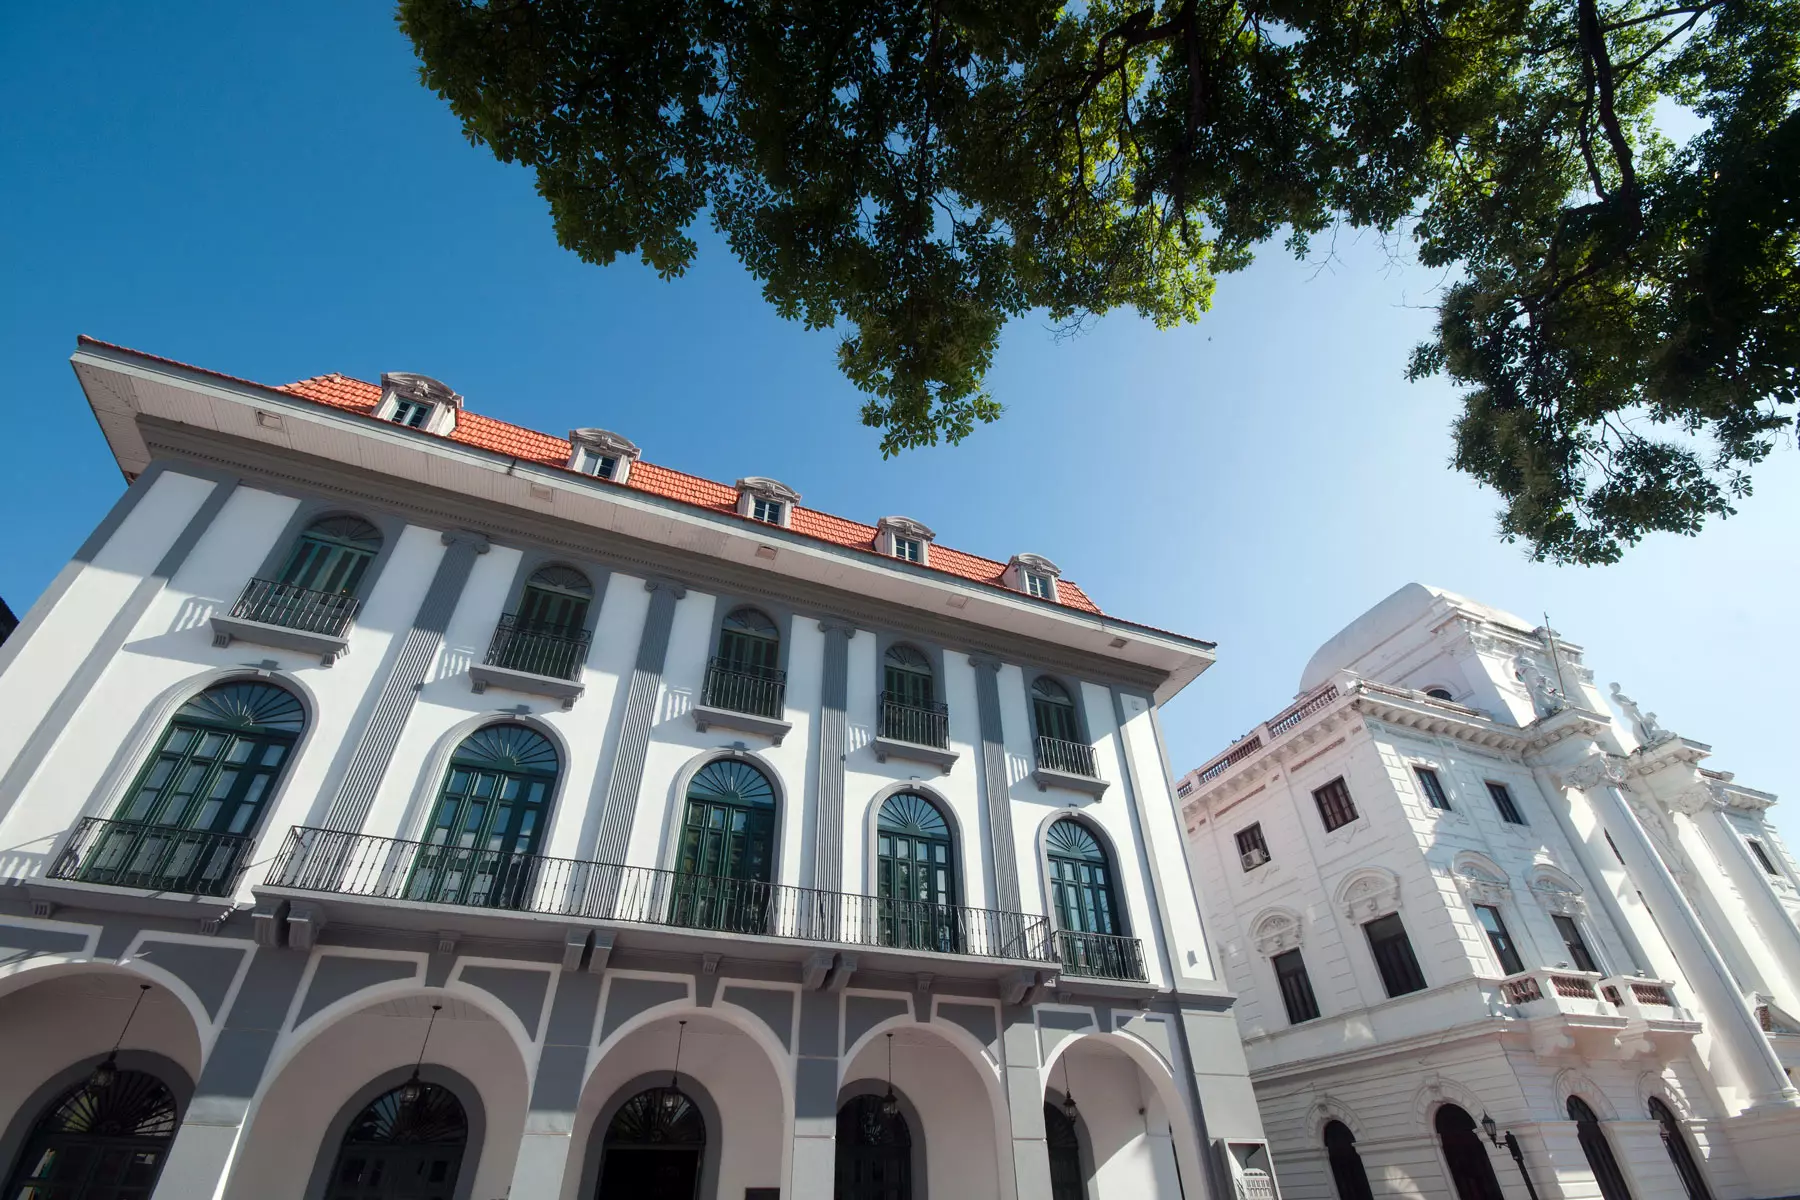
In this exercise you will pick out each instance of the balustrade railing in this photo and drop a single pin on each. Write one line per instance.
(920, 724)
(1100, 955)
(1073, 758)
(293, 607)
(759, 691)
(553, 651)
(162, 858)
(351, 864)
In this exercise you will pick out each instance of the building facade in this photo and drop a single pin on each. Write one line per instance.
(1482, 929)
(399, 802)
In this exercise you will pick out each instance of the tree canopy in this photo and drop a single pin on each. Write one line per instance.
(1622, 311)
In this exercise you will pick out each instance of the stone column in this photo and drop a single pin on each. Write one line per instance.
(1728, 1018)
(814, 1161)
(996, 788)
(547, 1149)
(1778, 930)
(834, 692)
(1025, 1103)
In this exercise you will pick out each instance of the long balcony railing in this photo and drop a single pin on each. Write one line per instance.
(1072, 758)
(739, 687)
(1100, 955)
(921, 724)
(350, 864)
(553, 651)
(293, 607)
(161, 858)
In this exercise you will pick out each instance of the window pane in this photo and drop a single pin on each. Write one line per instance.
(1393, 954)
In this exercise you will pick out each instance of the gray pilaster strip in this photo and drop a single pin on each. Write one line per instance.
(828, 832)
(82, 680)
(996, 792)
(1146, 860)
(634, 729)
(419, 645)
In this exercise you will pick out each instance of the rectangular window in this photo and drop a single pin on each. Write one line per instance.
(908, 549)
(1253, 852)
(1335, 807)
(1762, 856)
(1503, 801)
(768, 511)
(1296, 988)
(1433, 787)
(1499, 939)
(591, 462)
(1579, 958)
(1038, 585)
(1393, 954)
(411, 413)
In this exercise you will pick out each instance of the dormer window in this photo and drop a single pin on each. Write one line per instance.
(411, 413)
(905, 539)
(766, 500)
(910, 549)
(602, 454)
(418, 402)
(1040, 586)
(1034, 575)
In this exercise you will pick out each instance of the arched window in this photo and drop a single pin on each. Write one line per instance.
(1471, 1171)
(874, 1152)
(98, 1143)
(906, 677)
(727, 849)
(332, 555)
(1438, 693)
(1066, 1182)
(1052, 711)
(746, 676)
(654, 1146)
(1086, 908)
(749, 642)
(1675, 1142)
(555, 600)
(1598, 1150)
(402, 1147)
(489, 819)
(189, 819)
(1347, 1169)
(915, 875)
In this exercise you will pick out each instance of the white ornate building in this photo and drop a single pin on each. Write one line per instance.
(1481, 929)
(397, 802)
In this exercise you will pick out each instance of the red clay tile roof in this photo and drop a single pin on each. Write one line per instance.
(473, 429)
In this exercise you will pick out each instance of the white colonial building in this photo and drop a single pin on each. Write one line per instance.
(397, 802)
(1491, 941)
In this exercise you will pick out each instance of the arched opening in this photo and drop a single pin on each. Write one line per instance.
(1680, 1154)
(332, 556)
(915, 875)
(910, 709)
(1126, 1109)
(1064, 1144)
(727, 849)
(1346, 1164)
(653, 1149)
(1438, 693)
(874, 1152)
(548, 634)
(1089, 925)
(1598, 1151)
(489, 818)
(190, 817)
(406, 1145)
(1053, 711)
(746, 675)
(99, 1140)
(555, 600)
(1471, 1171)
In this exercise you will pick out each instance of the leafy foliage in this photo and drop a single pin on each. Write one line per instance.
(1624, 312)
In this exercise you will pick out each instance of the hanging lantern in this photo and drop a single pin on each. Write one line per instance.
(890, 1103)
(1068, 1104)
(107, 1073)
(413, 1090)
(671, 1097)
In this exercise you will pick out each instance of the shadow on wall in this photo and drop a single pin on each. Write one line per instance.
(195, 612)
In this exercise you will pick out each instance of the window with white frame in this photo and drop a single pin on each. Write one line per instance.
(764, 509)
(1038, 585)
(1762, 857)
(414, 414)
(1499, 939)
(590, 461)
(1253, 850)
(1504, 804)
(1432, 787)
(909, 549)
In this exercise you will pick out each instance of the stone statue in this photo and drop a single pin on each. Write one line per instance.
(1643, 724)
(1546, 697)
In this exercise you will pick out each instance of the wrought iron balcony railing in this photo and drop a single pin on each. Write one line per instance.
(162, 858)
(759, 691)
(921, 724)
(1071, 758)
(292, 607)
(553, 651)
(1100, 955)
(350, 864)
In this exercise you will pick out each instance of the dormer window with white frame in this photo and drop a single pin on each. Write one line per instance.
(1034, 575)
(766, 500)
(905, 539)
(602, 454)
(418, 402)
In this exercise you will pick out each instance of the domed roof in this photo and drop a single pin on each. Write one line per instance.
(1393, 616)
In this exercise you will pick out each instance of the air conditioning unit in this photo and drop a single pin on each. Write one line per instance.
(1254, 858)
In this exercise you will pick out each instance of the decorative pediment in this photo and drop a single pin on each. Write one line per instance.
(409, 385)
(605, 441)
(1480, 878)
(1276, 932)
(768, 489)
(1557, 892)
(1369, 893)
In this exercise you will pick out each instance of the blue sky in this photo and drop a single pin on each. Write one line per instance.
(266, 190)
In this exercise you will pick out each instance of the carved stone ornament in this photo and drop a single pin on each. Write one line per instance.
(1558, 897)
(905, 527)
(1037, 564)
(606, 442)
(1643, 724)
(1593, 771)
(410, 386)
(768, 489)
(1369, 895)
(1479, 884)
(1546, 698)
(1695, 800)
(1276, 933)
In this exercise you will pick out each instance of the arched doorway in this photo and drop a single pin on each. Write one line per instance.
(727, 849)
(489, 819)
(653, 1148)
(1680, 1154)
(1598, 1151)
(1086, 908)
(98, 1142)
(1347, 1169)
(1471, 1171)
(406, 1145)
(915, 875)
(874, 1152)
(1064, 1144)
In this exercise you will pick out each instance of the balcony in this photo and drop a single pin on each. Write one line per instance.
(540, 660)
(1067, 765)
(269, 613)
(920, 732)
(332, 863)
(1101, 956)
(743, 697)
(156, 858)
